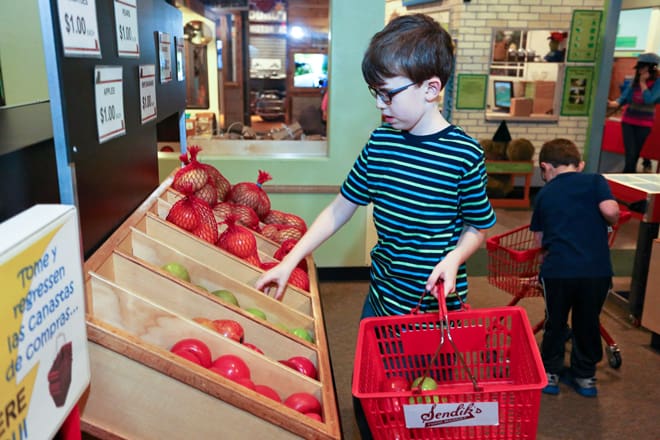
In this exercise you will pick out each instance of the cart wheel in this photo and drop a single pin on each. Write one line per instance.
(614, 356)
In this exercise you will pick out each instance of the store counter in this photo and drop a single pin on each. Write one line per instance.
(641, 194)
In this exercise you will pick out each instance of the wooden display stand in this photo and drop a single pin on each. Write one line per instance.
(136, 312)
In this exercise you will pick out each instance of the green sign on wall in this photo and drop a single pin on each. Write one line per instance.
(471, 91)
(585, 33)
(577, 90)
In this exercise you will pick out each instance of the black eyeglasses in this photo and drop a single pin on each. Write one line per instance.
(387, 95)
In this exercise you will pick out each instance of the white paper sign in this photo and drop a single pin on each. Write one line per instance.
(148, 109)
(165, 56)
(79, 28)
(180, 71)
(445, 415)
(44, 356)
(109, 94)
(126, 28)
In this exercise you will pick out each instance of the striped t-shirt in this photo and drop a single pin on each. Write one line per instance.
(424, 190)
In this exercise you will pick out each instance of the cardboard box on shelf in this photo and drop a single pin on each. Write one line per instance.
(544, 97)
(521, 106)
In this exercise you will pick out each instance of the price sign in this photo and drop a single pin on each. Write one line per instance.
(126, 27)
(109, 95)
(79, 28)
(180, 71)
(148, 110)
(165, 56)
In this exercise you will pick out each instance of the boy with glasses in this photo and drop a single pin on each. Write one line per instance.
(572, 213)
(425, 178)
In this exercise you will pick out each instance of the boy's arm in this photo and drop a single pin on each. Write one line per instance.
(470, 240)
(610, 211)
(333, 217)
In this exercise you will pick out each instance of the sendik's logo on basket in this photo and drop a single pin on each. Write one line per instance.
(451, 414)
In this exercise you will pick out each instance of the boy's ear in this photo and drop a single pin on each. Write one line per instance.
(433, 87)
(580, 166)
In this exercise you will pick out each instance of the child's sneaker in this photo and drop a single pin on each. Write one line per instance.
(585, 387)
(552, 387)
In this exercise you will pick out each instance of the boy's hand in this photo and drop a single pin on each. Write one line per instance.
(444, 272)
(274, 281)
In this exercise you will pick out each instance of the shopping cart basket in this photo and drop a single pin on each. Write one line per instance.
(485, 363)
(513, 266)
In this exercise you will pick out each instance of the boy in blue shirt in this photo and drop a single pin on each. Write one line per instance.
(571, 217)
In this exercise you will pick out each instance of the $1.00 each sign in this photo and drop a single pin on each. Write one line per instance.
(109, 96)
(79, 28)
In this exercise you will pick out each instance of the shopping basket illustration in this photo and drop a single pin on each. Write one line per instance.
(485, 363)
(59, 375)
(513, 266)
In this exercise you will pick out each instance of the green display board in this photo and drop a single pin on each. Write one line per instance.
(578, 85)
(471, 91)
(584, 36)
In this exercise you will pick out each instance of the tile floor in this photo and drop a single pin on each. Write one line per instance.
(629, 397)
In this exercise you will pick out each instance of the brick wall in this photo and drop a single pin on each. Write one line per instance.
(472, 23)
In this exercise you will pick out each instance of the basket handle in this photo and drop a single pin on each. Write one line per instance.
(442, 301)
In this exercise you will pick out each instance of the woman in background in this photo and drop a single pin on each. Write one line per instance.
(641, 95)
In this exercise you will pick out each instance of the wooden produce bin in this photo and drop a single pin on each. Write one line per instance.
(136, 311)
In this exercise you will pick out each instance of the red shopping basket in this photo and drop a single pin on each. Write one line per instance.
(489, 379)
(513, 262)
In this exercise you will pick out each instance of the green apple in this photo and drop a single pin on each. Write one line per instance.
(178, 270)
(226, 296)
(282, 327)
(257, 312)
(302, 333)
(424, 383)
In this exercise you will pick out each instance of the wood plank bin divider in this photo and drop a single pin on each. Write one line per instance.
(136, 311)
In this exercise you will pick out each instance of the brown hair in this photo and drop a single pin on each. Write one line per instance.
(414, 46)
(560, 152)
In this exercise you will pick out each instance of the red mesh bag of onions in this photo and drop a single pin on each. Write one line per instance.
(194, 215)
(239, 241)
(207, 182)
(252, 194)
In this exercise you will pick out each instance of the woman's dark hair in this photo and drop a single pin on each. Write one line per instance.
(653, 71)
(414, 46)
(559, 152)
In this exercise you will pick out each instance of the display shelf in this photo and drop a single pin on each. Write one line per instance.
(136, 311)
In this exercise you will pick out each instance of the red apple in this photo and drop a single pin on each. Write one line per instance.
(192, 357)
(314, 416)
(231, 367)
(246, 382)
(394, 383)
(195, 347)
(268, 392)
(229, 329)
(253, 347)
(303, 403)
(304, 366)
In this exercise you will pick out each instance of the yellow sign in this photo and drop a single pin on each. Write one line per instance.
(44, 356)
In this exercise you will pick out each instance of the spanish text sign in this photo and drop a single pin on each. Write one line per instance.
(44, 357)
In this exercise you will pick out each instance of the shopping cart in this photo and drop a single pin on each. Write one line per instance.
(485, 367)
(513, 266)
